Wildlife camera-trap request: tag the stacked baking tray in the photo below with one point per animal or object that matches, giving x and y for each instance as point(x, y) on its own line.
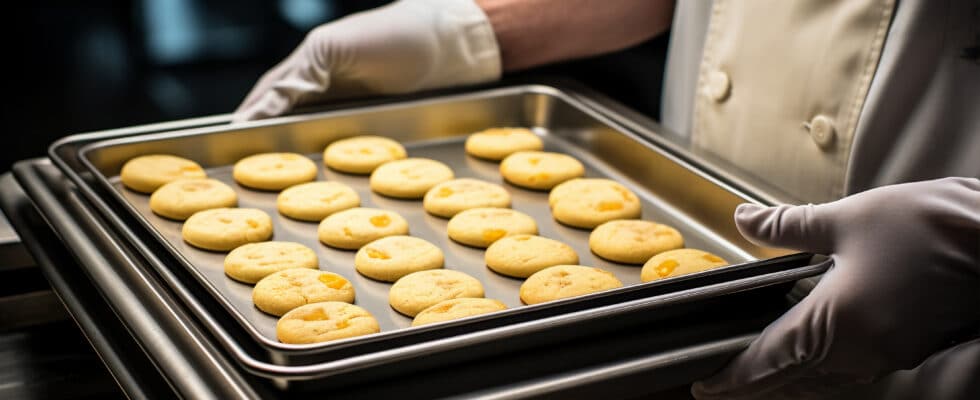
point(673, 191)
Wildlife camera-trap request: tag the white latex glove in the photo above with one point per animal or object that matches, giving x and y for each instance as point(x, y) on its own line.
point(905, 285)
point(405, 46)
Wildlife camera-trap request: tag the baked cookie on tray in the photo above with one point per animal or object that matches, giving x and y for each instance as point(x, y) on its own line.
point(314, 201)
point(325, 321)
point(285, 290)
point(409, 178)
point(251, 262)
point(497, 143)
point(563, 281)
point(679, 262)
point(589, 202)
point(521, 256)
point(448, 310)
point(420, 290)
point(353, 228)
point(449, 198)
point(480, 227)
point(633, 241)
point(390, 258)
point(540, 170)
point(181, 198)
point(223, 229)
point(274, 171)
point(362, 154)
point(147, 173)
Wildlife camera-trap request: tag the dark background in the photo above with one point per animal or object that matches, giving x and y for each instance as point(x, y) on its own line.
point(79, 66)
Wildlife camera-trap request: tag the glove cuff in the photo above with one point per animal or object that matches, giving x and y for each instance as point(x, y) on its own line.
point(467, 44)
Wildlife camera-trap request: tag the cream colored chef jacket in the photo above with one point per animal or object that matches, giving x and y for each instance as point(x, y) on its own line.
point(825, 98)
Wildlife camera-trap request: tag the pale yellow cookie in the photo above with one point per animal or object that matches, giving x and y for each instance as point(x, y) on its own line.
point(539, 169)
point(497, 143)
point(521, 256)
point(409, 178)
point(587, 203)
point(633, 241)
point(448, 310)
point(314, 201)
point(251, 262)
point(393, 257)
point(362, 154)
point(353, 228)
point(563, 281)
point(285, 290)
point(223, 229)
point(147, 173)
point(679, 262)
point(325, 321)
point(420, 290)
point(182, 198)
point(274, 171)
point(449, 198)
point(480, 227)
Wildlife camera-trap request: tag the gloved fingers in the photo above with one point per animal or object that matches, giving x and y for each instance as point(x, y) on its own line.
point(263, 85)
point(805, 228)
point(300, 77)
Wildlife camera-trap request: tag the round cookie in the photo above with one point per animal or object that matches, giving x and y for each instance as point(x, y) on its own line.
point(353, 228)
point(563, 281)
point(285, 290)
point(449, 198)
point(587, 203)
point(388, 259)
point(182, 198)
point(498, 143)
point(147, 173)
point(223, 229)
point(325, 321)
point(521, 256)
point(274, 171)
point(448, 310)
point(540, 170)
point(409, 178)
point(679, 262)
point(420, 290)
point(480, 227)
point(362, 154)
point(633, 241)
point(314, 201)
point(251, 262)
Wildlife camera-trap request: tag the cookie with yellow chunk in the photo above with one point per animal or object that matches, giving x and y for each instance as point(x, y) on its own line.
point(449, 198)
point(182, 198)
point(314, 201)
point(251, 262)
point(274, 171)
point(353, 228)
point(420, 290)
point(388, 259)
point(480, 227)
point(325, 321)
point(285, 290)
point(497, 143)
point(409, 178)
point(589, 202)
point(521, 256)
point(147, 173)
point(563, 281)
point(457, 308)
point(679, 262)
point(223, 229)
point(633, 241)
point(362, 154)
point(540, 170)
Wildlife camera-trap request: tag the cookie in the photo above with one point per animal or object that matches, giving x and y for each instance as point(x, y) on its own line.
point(449, 198)
point(409, 178)
point(182, 198)
point(563, 281)
point(497, 143)
point(448, 310)
point(285, 290)
point(633, 241)
point(587, 203)
point(314, 201)
point(420, 290)
point(223, 229)
point(679, 262)
point(326, 321)
point(393, 257)
point(521, 256)
point(251, 262)
point(362, 154)
point(480, 227)
point(147, 173)
point(353, 228)
point(540, 170)
point(274, 171)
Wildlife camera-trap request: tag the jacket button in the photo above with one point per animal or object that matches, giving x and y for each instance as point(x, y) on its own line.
point(822, 131)
point(719, 86)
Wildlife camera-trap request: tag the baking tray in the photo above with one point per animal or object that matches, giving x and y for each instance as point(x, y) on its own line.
point(673, 192)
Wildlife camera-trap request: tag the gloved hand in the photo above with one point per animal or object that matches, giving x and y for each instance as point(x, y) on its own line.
point(406, 46)
point(906, 284)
